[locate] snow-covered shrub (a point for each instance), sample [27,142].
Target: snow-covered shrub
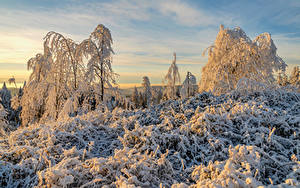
[240,170]
[235,56]
[241,139]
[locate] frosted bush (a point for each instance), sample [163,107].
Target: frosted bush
[240,170]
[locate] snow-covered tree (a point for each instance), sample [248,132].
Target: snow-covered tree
[188,86]
[5,96]
[12,80]
[98,50]
[35,93]
[3,121]
[157,95]
[135,97]
[234,56]
[282,79]
[16,107]
[68,71]
[147,91]
[63,52]
[291,82]
[141,100]
[172,77]
[40,66]
[295,77]
[33,102]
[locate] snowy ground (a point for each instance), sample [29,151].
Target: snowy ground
[235,139]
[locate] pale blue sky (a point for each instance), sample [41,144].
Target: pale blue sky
[145,33]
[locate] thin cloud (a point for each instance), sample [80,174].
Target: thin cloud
[145,33]
[185,14]
[288,47]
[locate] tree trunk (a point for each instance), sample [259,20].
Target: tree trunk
[73,64]
[101,72]
[174,86]
[188,85]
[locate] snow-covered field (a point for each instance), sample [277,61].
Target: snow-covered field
[235,140]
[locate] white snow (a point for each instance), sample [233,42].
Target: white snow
[232,140]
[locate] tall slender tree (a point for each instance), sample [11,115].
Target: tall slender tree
[172,77]
[98,48]
[187,88]
[295,76]
[147,91]
[135,97]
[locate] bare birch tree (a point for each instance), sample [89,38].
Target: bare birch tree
[187,88]
[98,50]
[172,77]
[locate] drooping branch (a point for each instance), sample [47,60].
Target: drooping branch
[63,50]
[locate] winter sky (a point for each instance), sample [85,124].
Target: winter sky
[145,32]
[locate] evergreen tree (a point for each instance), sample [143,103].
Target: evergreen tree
[5,96]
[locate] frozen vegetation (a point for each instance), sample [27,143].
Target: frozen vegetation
[239,139]
[71,127]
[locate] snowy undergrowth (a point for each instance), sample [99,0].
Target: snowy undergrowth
[238,140]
